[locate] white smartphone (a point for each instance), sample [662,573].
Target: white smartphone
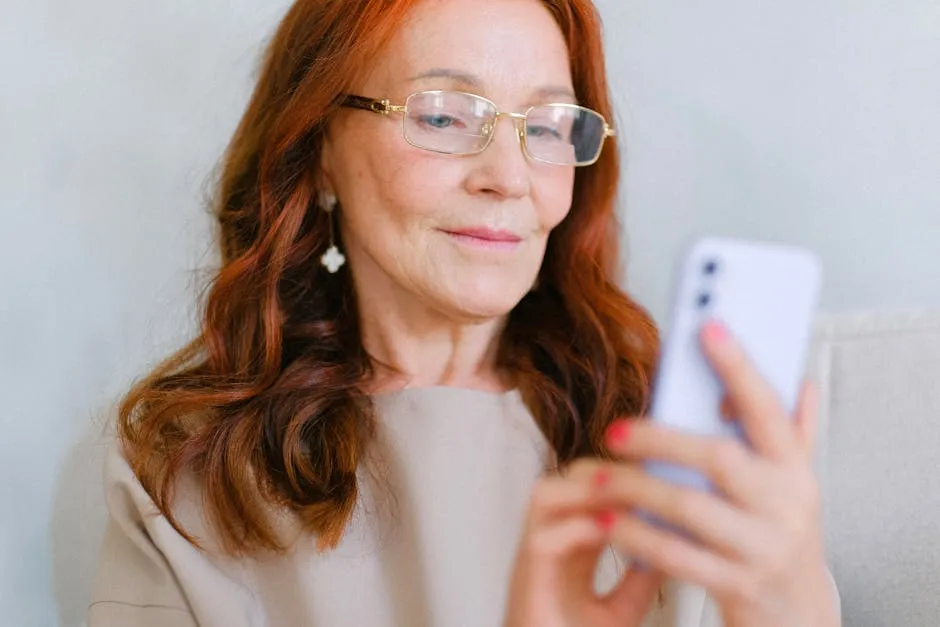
[766,295]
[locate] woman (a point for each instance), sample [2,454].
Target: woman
[411,400]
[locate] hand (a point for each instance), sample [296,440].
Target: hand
[553,579]
[755,545]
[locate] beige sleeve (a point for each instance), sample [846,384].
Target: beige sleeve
[114,614]
[149,575]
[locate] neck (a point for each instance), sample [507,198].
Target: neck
[412,344]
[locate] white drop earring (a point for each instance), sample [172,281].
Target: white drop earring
[332,259]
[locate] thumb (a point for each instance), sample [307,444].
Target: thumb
[631,599]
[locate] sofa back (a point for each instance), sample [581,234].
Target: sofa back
[879,464]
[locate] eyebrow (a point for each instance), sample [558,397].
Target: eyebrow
[473,81]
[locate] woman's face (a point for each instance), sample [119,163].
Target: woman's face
[409,216]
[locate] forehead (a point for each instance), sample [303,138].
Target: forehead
[512,48]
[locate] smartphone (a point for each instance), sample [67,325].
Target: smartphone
[766,295]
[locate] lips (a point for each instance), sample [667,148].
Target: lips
[486,235]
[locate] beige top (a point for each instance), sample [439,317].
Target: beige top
[459,465]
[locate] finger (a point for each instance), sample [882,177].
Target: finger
[582,470]
[555,497]
[761,413]
[568,549]
[807,418]
[729,464]
[713,521]
[594,473]
[728,412]
[673,555]
[630,599]
[561,539]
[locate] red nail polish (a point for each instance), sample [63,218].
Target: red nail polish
[606,519]
[618,433]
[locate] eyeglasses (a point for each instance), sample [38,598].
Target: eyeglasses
[459,123]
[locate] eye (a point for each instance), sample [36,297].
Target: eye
[440,121]
[543,132]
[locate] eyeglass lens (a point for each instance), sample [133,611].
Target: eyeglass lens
[458,123]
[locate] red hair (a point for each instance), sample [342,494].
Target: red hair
[266,405]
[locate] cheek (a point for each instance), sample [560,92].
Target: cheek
[388,185]
[408,183]
[418,179]
[553,192]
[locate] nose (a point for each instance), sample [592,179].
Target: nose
[502,169]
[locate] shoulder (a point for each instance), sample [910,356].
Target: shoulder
[135,578]
[151,574]
[132,507]
[130,503]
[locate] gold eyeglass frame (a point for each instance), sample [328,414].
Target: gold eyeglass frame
[385,107]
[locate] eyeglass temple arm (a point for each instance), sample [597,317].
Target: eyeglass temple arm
[383,106]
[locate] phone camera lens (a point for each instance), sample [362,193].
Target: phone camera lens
[704,300]
[710,267]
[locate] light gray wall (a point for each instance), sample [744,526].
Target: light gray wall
[809,121]
[112,115]
[814,122]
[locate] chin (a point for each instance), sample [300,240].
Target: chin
[485,304]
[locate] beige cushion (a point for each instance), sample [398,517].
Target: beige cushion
[880,467]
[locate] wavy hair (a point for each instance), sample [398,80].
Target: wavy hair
[267,404]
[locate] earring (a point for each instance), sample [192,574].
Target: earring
[332,259]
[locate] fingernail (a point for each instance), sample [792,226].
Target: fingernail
[618,433]
[606,519]
[716,332]
[602,478]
